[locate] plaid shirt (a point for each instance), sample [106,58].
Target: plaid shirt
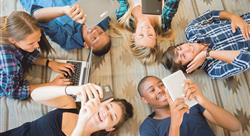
[168,12]
[12,83]
[208,28]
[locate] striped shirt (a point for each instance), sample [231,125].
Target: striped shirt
[208,28]
[168,12]
[12,82]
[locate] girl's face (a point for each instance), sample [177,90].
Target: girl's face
[145,35]
[30,43]
[107,117]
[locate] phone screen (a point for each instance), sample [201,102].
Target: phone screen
[107,92]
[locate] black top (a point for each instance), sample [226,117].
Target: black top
[47,125]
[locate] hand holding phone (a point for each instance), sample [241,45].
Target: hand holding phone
[90,91]
[107,93]
[174,84]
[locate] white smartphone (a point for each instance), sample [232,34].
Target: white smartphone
[174,83]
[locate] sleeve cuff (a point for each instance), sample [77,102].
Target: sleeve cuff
[199,107]
[34,8]
[78,36]
[216,13]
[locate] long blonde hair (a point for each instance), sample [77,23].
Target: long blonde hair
[145,55]
[19,25]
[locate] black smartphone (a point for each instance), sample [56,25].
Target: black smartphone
[107,93]
[153,7]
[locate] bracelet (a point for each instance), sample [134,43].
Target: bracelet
[65,90]
[47,63]
[207,53]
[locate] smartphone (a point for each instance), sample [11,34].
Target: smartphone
[107,93]
[153,7]
[174,84]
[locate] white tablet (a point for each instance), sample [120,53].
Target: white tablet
[174,83]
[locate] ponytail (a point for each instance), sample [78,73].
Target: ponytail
[3,30]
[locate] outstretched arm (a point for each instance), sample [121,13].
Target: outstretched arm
[193,29]
[58,96]
[221,117]
[224,55]
[50,13]
[227,56]
[240,64]
[212,112]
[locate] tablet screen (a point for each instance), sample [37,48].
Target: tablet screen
[174,83]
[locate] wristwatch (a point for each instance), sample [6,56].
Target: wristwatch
[207,53]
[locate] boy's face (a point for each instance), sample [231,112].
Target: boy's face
[95,38]
[184,53]
[153,92]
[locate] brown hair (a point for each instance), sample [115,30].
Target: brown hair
[168,60]
[127,110]
[19,25]
[139,86]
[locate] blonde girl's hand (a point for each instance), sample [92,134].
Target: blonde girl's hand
[64,68]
